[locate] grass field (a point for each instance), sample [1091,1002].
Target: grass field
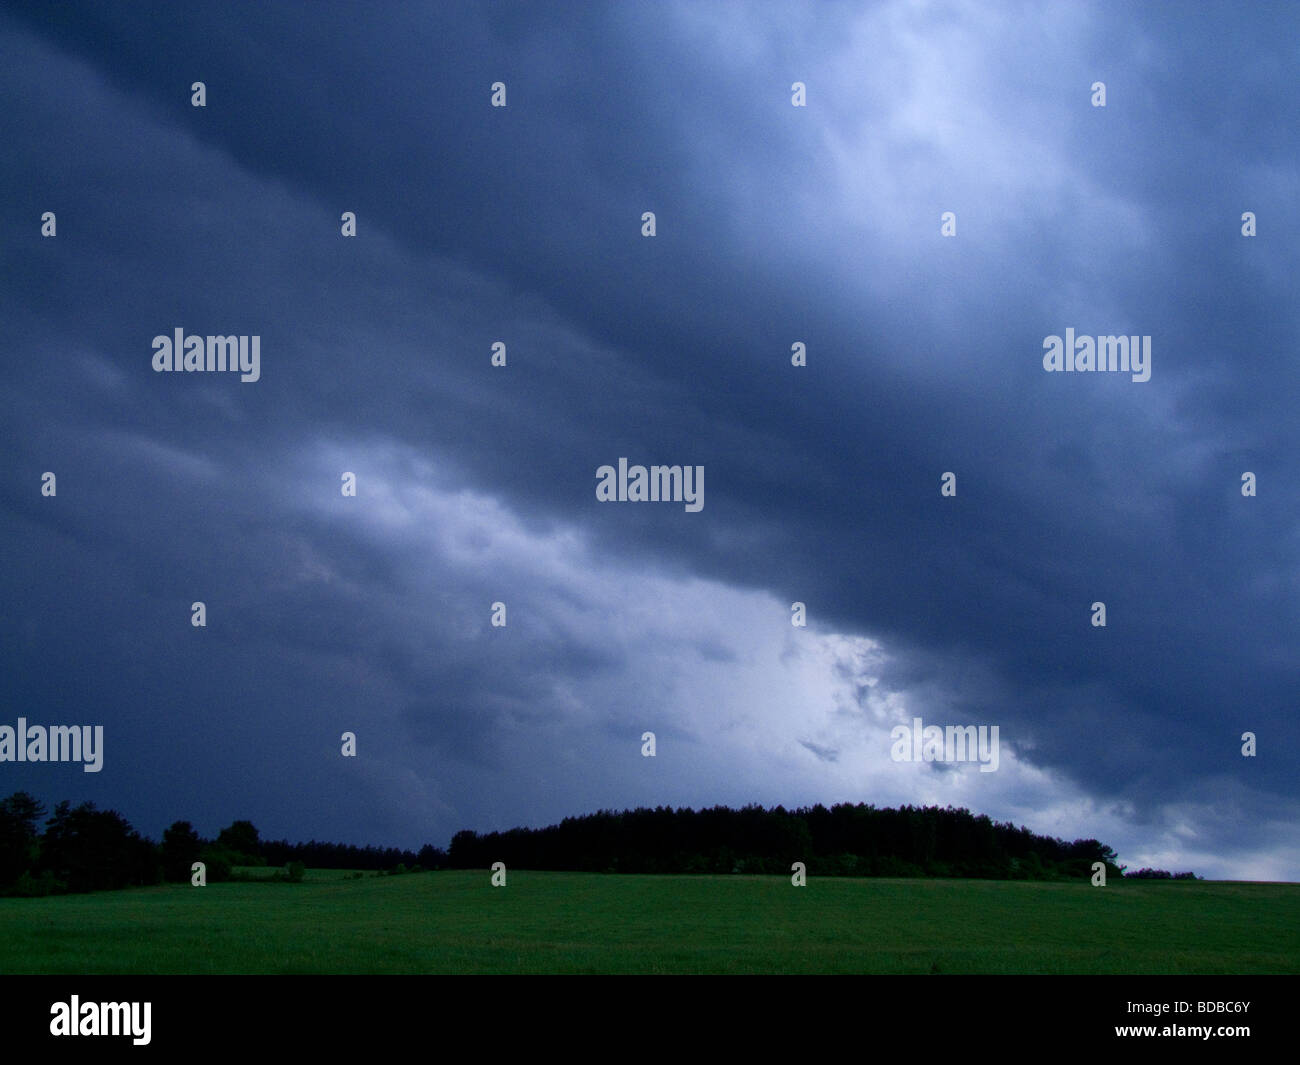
[455,922]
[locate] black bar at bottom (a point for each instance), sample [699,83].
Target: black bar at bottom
[611,1016]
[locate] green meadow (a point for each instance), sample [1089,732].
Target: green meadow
[456,922]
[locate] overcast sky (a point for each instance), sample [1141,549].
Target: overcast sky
[775,224]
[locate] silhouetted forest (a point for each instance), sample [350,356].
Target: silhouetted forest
[84,848]
[844,840]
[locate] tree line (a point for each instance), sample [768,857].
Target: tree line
[84,848]
[842,840]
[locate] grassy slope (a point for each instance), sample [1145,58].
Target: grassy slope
[574,922]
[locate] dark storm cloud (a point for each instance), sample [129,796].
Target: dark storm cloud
[924,356]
